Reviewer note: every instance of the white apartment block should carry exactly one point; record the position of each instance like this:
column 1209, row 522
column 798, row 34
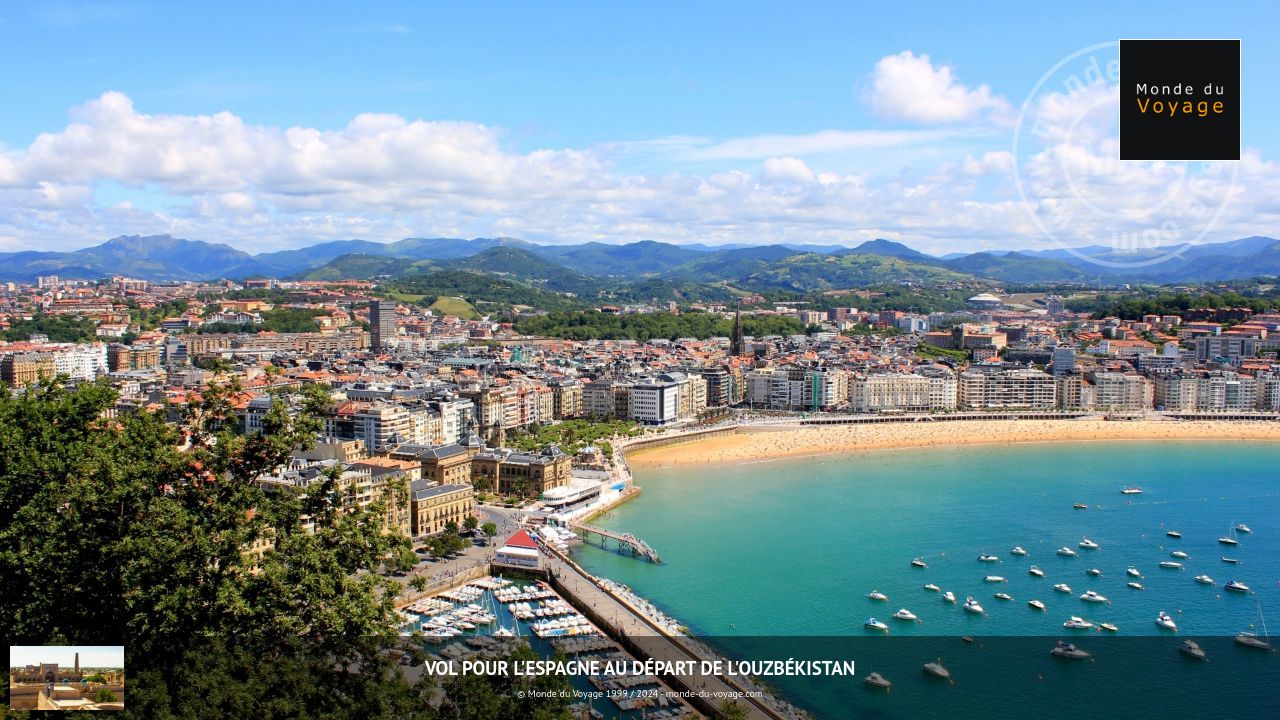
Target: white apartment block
column 1022, row 389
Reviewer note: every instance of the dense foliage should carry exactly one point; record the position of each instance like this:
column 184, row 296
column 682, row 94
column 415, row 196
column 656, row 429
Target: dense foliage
column 482, row 288
column 59, row 328
column 150, row 318
column 1133, row 307
column 112, row 534
column 649, row 326
column 571, row 435
column 281, row 319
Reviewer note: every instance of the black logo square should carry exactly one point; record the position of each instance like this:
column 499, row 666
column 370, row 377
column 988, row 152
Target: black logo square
column 1179, row 99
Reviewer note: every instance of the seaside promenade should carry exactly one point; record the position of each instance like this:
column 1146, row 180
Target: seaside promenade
column 641, row 636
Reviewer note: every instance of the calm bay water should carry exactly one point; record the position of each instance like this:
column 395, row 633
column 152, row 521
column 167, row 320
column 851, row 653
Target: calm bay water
column 792, row 547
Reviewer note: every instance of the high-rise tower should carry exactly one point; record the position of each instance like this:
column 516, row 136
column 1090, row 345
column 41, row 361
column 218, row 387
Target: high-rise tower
column 382, row 323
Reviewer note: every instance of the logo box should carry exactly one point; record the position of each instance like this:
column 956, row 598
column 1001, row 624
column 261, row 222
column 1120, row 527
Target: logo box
column 1180, row 99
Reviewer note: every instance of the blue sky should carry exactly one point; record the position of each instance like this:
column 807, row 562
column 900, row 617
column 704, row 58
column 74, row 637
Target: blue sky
column 65, row 655
column 622, row 109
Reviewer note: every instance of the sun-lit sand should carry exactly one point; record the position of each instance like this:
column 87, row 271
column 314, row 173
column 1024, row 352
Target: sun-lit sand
column 753, row 444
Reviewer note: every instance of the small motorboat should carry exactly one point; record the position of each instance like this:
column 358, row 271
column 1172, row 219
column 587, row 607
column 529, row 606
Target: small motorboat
column 1204, row 580
column 1179, row 554
column 1080, row 506
column 1062, row 588
column 1067, row 552
column 932, row 588
column 1228, row 540
column 937, row 670
column 1088, row 544
column 1173, row 534
column 1091, row 596
column 1191, row 649
column 1133, row 572
column 1109, row 627
column 967, row 639
column 877, row 595
column 1127, row 490
column 971, row 605
column 1135, row 586
column 1036, row 571
column 1036, row 604
column 875, row 624
column 877, row 680
column 919, row 562
column 1066, row 650
column 1077, row 623
column 988, row 558
column 1243, row 528
column 1171, row 565
column 1018, row 550
column 1236, row 586
column 905, row 614
column 1230, row 561
column 1095, row 572
column 1166, row 622
column 994, row 579
column 949, row 596
column 1003, row 596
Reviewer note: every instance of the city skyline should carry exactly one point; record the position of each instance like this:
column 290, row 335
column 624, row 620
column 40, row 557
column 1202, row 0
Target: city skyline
column 684, row 126
column 91, row 656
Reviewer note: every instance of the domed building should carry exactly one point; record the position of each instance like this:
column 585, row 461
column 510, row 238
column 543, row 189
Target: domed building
column 985, row 301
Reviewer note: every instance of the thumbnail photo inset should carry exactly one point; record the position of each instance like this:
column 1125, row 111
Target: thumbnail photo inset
column 66, row 677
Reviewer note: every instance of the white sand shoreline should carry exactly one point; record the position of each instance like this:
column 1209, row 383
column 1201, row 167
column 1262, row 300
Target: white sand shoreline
column 756, row 445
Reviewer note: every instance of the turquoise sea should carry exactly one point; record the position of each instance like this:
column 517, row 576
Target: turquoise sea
column 759, row 556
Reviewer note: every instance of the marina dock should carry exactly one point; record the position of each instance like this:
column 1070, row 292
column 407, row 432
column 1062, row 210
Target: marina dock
column 638, row 547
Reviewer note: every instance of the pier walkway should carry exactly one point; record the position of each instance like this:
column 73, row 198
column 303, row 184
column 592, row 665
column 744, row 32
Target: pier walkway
column 638, row 547
column 644, row 639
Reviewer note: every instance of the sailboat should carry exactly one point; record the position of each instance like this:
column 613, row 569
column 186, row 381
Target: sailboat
column 1251, row 639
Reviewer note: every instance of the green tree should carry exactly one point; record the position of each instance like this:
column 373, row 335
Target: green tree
column 732, row 710
column 104, row 696
column 489, row 529
column 470, row 523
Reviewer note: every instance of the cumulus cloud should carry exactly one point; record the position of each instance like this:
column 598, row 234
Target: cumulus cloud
column 382, row 177
column 909, row 87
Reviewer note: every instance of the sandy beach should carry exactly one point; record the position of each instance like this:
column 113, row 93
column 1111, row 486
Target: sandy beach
column 754, row 444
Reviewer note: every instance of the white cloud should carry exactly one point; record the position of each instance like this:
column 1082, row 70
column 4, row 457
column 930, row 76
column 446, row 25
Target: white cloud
column 383, row 177
column 907, row 86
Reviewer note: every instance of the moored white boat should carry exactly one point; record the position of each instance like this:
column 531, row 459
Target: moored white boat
column 994, row 579
column 905, row 614
column 971, row 605
column 1036, row 604
column 1133, row 572
column 1003, row 596
column 1062, row 588
column 1091, row 596
column 875, row 624
column 1067, row 552
column 1088, row 544
column 1204, row 580
column 1036, row 571
column 1135, row 586
column 1018, row 550
column 1166, row 622
column 1236, row 586
column 988, row 558
column 1077, row 623
column 949, row 596
column 878, row 596
column 931, row 587
column 1171, row 565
